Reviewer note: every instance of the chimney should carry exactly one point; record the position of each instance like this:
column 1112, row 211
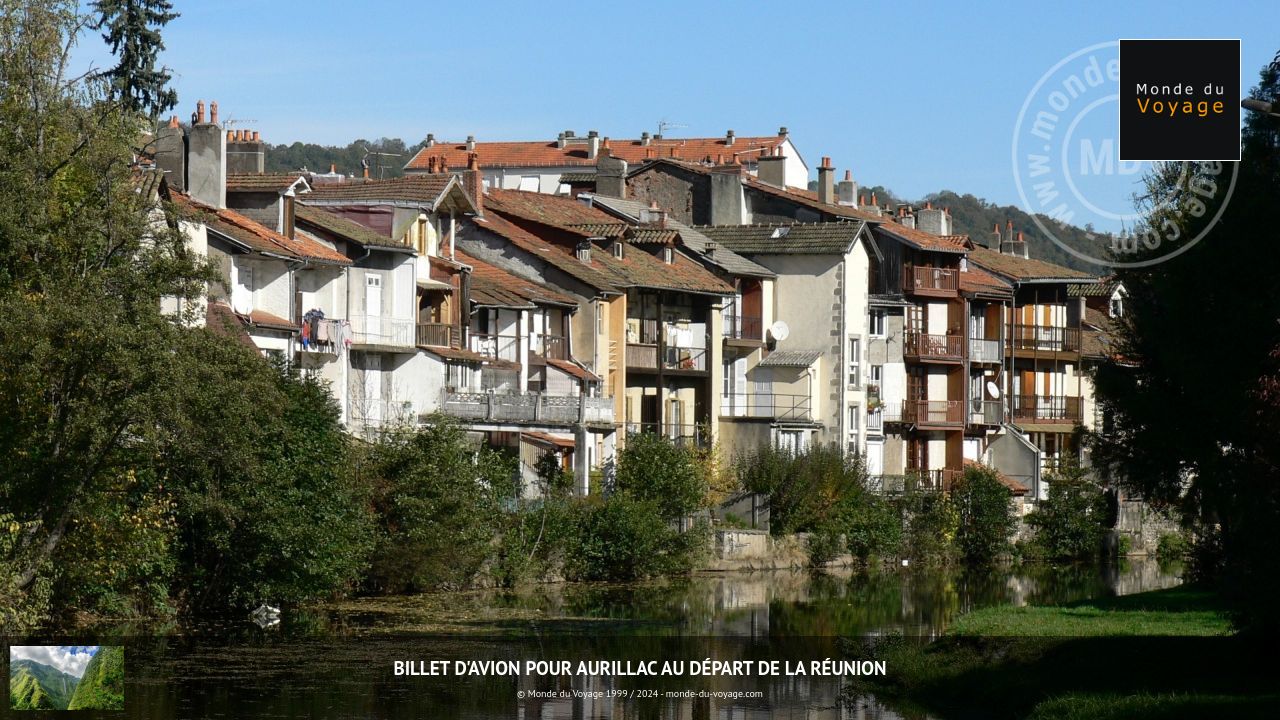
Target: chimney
column 593, row 144
column 611, row 175
column 473, row 182
column 246, row 153
column 584, row 252
column 471, row 143
column 431, row 140
column 782, row 131
column 826, row 181
column 772, row 168
column 561, row 140
column 933, row 221
column 207, row 161
column 728, row 139
column 726, row 198
column 171, row 154
column 645, row 140
column 847, row 190
column 1013, row 243
column 213, row 112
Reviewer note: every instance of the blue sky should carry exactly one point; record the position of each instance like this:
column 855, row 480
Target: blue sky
column 914, row 96
column 70, row 659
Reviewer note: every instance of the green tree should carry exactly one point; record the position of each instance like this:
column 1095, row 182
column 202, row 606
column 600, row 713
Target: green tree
column 102, row 685
column 1070, row 523
column 133, row 34
column 986, row 520
column 653, row 469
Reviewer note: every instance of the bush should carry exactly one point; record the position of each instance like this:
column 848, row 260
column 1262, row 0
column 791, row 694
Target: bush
column 875, row 528
column 1172, row 547
column 985, row 519
column 811, row 491
column 930, row 528
column 1070, row 524
column 653, row 469
column 626, row 538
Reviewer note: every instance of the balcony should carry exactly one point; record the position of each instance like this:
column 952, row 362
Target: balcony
column 875, row 421
column 934, row 348
column 1034, row 338
column 320, row 336
column 986, row 412
column 380, row 331
column 931, row 281
column 682, row 435
column 984, row 351
column 497, row 347
column 528, row 408
column 744, row 327
column 372, row 414
column 933, row 413
column 776, row 406
column 551, row 347
column 1045, row 409
column 437, row 335
column 686, row 359
column 932, row 479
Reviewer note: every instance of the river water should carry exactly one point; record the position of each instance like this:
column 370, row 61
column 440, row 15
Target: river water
column 339, row 662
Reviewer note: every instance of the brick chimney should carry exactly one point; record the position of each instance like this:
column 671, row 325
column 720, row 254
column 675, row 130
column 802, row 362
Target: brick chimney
column 772, row 168
column 847, row 190
column 473, row 182
column 826, row 181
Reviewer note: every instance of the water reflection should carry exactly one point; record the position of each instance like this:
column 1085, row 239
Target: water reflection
column 338, row 664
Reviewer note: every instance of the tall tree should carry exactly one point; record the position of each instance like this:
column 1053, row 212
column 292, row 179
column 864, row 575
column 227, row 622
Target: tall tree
column 133, row 33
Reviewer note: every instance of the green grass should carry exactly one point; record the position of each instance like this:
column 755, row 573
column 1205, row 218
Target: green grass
column 1164, row 654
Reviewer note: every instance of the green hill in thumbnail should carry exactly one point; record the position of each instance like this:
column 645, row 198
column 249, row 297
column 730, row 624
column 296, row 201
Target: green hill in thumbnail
column 102, row 687
column 35, row 686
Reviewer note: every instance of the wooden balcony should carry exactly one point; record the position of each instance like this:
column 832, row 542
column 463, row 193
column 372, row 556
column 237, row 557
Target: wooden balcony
column 1054, row 409
column 1043, row 341
column 678, row 359
column 931, row 281
column 744, row 327
column 547, row 347
column 928, row 414
column 934, row 348
column 437, row 335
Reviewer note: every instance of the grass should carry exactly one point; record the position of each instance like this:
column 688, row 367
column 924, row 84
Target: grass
column 1164, row 654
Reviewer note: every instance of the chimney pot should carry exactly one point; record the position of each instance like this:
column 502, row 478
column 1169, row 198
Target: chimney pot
column 471, row 143
column 200, row 111
column 333, row 168
column 728, row 138
column 231, row 135
column 593, row 133
column 782, row 131
column 173, row 121
column 431, row 140
column 213, row 112
column 255, row 136
column 848, row 175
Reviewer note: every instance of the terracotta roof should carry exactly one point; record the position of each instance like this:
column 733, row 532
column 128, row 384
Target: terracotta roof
column 555, row 255
column 424, row 189
column 255, row 236
column 653, row 236
column 456, row 354
column 1097, row 339
column 268, row 320
column 977, row 280
column 573, row 369
column 831, row 238
column 221, row 319
column 549, row 439
column 349, row 230
column 1014, row 486
column 548, row 154
column 557, row 211
column 580, row 178
column 1020, row 268
column 1103, row 288
column 923, row 240
column 262, row 182
column 811, row 201
column 496, row 287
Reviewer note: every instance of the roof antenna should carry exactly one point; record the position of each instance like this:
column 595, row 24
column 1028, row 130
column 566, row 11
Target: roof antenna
column 664, row 125
column 364, row 161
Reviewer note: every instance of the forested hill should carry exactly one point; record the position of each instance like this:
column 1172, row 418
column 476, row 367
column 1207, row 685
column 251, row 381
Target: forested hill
column 977, row 218
column 102, row 687
column 36, row 686
column 386, row 157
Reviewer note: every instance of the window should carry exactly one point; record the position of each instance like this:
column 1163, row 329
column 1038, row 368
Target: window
column 1117, row 307
column 668, row 255
column 875, row 323
column 877, row 374
column 529, row 183
column 855, row 360
column 855, row 421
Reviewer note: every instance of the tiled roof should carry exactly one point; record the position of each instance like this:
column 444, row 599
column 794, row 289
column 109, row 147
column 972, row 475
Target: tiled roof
column 496, row 287
column 222, row 320
column 1103, row 288
column 1014, row 486
column 556, row 211
column 573, row 369
column 424, row 189
column 653, row 236
column 456, row 354
column 1020, row 268
column 832, row 238
column 342, row 227
column 256, row 236
column 570, row 178
column 261, row 182
column 270, row 321
column 923, row 240
column 791, row 358
column 556, row 255
column 977, row 280
column 690, row 237
column 547, row 154
column 811, row 201
column 1097, row 340
column 549, row 439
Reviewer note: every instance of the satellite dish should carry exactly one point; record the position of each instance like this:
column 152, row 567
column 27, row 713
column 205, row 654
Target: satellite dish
column 779, row 331
column 993, row 390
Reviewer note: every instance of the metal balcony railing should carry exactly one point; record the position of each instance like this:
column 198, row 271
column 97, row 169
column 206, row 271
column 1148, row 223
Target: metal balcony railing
column 766, row 405
column 498, row 347
column 1052, row 339
column 684, row 435
column 934, row 347
column 933, row 412
column 1045, row 408
column 986, row 412
column 744, row 327
column 378, row 330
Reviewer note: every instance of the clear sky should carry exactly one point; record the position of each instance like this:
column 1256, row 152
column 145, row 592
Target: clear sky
column 914, row 96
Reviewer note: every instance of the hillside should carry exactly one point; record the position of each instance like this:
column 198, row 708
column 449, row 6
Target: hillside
column 102, row 687
column 386, row 157
column 35, row 686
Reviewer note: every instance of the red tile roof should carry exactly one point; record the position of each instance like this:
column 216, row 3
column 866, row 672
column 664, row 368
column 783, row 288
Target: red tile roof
column 557, row 211
column 555, row 255
column 268, row 320
column 222, row 320
column 261, row 182
column 547, row 154
column 494, row 286
column 977, row 280
column 924, row 240
column 411, row 189
column 573, row 369
column 255, row 236
column 1020, row 268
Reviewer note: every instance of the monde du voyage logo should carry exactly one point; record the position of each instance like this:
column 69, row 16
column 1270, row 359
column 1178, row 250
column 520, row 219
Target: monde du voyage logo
column 1180, row 100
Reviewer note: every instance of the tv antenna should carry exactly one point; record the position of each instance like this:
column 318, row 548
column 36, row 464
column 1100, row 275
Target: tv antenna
column 664, row 125
column 364, row 161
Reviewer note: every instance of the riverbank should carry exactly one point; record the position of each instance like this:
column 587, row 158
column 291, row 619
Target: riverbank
column 1163, row 654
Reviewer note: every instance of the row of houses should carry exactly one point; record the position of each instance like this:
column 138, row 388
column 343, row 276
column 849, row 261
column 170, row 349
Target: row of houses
column 559, row 296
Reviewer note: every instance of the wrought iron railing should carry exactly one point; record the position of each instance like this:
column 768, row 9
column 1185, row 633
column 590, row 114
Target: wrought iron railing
column 766, row 405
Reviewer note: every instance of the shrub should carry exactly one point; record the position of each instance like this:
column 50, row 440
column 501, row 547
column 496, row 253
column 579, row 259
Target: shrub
column 985, row 519
column 875, row 528
column 1070, row 523
column 1172, row 547
column 625, row 538
column 808, row 491
column 653, row 469
column 930, row 528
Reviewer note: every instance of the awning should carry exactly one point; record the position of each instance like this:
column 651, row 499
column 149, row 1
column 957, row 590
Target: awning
column 429, row 284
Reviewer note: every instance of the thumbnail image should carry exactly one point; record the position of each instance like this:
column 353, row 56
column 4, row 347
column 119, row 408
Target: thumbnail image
column 66, row 677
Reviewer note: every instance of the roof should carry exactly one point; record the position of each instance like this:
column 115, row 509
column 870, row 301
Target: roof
column 549, row 439
column 790, row 358
column 255, row 236
column 1014, row 486
column 832, row 238
column 553, row 254
column 1019, row 268
column 222, row 320
column 349, row 230
column 265, row 319
column 414, row 189
column 573, row 369
column 262, row 182
column 690, row 237
column 495, row 287
column 557, row 211
column 575, row 152
column 1103, row 288
column 922, row 240
column 585, row 177
column 450, row 353
column 976, row 280
column 1097, row 340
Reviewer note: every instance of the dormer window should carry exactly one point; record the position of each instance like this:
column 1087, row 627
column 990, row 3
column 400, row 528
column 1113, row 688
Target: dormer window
column 584, row 252
column 617, row 250
column 668, row 255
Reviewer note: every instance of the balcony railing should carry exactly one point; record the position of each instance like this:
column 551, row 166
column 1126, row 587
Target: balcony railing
column 930, row 280
column 437, row 335
column 552, row 347
column 984, row 351
column 743, row 327
column 1042, row 408
column 371, row 414
column 498, row 347
column 766, row 405
column 531, row 408
column 934, row 347
column 933, row 412
column 642, row 356
column 875, row 421
column 321, row 335
column 986, row 412
column 682, row 358
column 1053, row 339
column 931, row 479
column 378, row 330
column 683, row 435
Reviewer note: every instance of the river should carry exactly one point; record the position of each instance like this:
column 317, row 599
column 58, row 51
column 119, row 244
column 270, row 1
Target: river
column 338, row 662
